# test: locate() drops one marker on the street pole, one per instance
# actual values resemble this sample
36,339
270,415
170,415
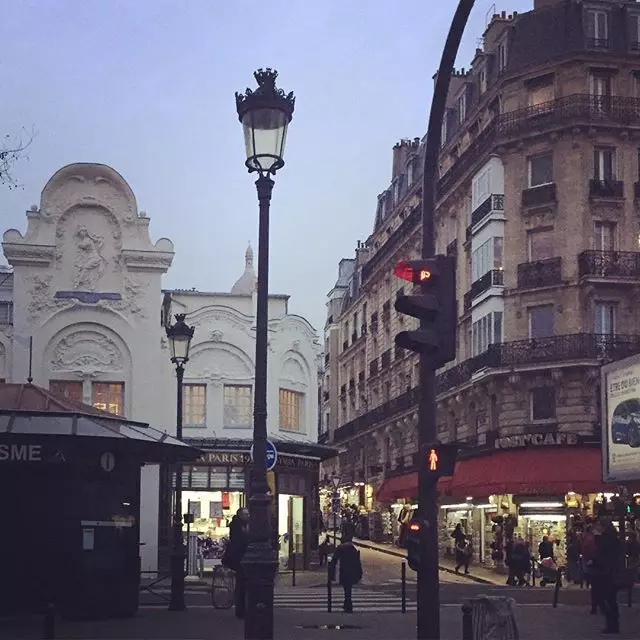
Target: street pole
428,618
259,562
177,602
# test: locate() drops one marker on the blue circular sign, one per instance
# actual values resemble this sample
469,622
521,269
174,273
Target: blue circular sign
272,455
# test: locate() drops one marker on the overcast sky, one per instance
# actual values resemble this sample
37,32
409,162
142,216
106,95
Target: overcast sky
147,87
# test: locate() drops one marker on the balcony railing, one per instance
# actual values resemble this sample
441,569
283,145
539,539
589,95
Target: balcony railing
397,238
493,203
606,188
495,277
388,410
541,195
541,273
577,107
574,108
609,264
577,346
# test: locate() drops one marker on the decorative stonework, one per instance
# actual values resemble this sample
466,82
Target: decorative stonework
89,263
133,300
216,335
87,352
42,299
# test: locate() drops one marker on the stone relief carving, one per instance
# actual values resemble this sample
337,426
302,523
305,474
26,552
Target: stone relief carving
90,263
216,335
295,345
41,300
133,298
87,352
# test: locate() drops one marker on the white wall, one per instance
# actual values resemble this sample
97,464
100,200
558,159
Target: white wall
223,352
87,238
489,179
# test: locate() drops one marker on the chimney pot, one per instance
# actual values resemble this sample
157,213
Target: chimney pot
504,15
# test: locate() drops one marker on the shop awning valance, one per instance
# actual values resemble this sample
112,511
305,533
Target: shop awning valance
405,487
530,471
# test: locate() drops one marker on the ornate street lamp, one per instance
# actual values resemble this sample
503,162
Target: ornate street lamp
180,336
265,114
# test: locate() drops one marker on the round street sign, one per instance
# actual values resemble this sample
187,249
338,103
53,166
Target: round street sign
107,461
272,455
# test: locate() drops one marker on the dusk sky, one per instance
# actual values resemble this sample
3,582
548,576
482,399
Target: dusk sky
147,87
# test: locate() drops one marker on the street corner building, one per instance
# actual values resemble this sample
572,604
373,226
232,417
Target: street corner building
537,200
83,317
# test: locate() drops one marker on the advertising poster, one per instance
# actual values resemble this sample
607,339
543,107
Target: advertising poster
621,420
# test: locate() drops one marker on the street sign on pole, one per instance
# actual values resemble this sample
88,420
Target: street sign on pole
336,481
272,455
335,504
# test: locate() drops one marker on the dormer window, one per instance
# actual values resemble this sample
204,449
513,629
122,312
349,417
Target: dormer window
482,79
461,107
410,169
502,56
597,26
443,133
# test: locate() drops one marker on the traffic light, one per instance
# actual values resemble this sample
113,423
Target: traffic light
439,459
415,542
435,307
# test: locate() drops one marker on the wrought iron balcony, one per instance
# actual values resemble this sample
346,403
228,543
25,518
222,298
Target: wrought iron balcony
578,107
609,264
606,188
538,196
386,411
578,346
541,273
492,278
493,203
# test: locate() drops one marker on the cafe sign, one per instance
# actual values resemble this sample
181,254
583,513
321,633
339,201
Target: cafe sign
243,459
529,440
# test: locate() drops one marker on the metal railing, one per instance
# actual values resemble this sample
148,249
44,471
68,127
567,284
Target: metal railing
609,264
540,273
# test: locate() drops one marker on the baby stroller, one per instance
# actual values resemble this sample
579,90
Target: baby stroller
548,571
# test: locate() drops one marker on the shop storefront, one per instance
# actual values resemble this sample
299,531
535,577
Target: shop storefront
218,485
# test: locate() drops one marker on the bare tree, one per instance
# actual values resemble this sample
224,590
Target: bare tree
13,148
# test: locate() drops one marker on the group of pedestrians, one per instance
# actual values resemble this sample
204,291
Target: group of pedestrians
346,556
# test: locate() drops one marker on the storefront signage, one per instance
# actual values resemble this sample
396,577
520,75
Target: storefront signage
537,440
242,459
620,389
21,453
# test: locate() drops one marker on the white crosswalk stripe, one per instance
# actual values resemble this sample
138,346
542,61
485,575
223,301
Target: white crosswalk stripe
315,599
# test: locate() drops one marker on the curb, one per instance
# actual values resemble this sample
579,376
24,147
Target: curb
400,554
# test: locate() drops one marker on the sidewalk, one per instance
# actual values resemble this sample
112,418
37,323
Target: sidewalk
478,573
534,622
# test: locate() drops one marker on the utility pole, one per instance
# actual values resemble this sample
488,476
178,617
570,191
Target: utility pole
428,626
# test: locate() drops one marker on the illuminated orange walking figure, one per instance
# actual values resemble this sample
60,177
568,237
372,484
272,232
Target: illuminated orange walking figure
433,460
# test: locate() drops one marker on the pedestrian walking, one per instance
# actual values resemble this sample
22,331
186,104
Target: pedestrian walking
350,567
323,546
238,542
607,572
463,554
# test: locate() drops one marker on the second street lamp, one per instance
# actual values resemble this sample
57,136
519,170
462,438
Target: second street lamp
180,336
265,114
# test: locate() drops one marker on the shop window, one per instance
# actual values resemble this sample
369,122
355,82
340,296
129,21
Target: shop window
218,478
108,396
238,405
199,478
236,478
543,404
541,321
540,170
194,405
291,410
67,389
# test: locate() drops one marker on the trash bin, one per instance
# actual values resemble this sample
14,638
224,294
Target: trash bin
222,588
492,618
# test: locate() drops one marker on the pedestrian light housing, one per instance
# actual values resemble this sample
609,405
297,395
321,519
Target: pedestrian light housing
415,543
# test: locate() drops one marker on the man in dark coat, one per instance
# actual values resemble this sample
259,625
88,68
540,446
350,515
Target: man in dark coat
607,568
238,542
350,567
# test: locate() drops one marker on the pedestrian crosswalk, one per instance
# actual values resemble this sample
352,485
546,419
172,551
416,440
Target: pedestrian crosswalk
315,599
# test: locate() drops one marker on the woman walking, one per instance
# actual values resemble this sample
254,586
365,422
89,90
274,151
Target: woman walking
350,567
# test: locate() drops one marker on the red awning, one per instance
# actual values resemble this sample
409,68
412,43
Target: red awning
530,471
405,487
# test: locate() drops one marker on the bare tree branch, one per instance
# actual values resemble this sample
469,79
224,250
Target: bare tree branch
12,150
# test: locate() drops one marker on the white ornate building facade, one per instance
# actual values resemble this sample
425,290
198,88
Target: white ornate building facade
84,289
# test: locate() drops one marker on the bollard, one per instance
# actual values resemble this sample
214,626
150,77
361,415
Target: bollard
467,622
49,631
293,569
556,590
403,586
329,576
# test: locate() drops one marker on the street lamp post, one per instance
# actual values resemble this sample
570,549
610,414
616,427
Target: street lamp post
265,114
179,335
428,623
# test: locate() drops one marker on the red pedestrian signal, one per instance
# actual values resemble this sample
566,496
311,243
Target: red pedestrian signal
439,459
413,271
433,460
